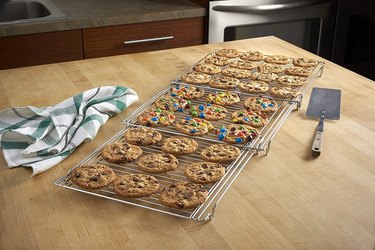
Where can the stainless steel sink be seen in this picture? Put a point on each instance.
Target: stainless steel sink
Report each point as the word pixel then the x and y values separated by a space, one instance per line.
pixel 28 11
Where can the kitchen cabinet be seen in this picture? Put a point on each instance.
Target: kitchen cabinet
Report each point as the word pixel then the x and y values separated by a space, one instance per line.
pixel 139 37
pixel 52 47
pixel 43 48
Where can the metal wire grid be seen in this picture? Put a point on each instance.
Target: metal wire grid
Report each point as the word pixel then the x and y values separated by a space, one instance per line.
pixel 205 211
pixel 165 179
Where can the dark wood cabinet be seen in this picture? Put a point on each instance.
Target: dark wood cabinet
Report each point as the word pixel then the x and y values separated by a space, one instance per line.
pixel 43 48
pixel 139 37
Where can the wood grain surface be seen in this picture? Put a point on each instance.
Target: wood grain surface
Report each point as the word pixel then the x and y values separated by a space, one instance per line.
pixel 283 200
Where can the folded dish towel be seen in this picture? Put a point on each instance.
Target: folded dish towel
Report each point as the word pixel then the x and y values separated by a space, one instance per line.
pixel 42 137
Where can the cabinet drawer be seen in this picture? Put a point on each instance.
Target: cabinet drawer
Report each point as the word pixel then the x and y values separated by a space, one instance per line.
pixel 130 38
pixel 35 49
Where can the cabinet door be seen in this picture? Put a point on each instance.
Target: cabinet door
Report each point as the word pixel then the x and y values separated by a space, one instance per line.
pixel 35 49
pixel 130 38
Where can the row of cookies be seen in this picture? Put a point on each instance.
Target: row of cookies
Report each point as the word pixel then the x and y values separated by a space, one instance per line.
pixel 223 70
pixel 254 114
pixel 176 195
pixel 140 185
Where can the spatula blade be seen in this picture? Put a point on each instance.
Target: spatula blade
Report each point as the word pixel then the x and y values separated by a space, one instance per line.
pixel 325 99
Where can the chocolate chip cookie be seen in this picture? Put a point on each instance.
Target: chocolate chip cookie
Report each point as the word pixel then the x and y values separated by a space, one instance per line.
pixel 121 152
pixel 217 60
pixel 92 176
pixel 252 56
pixel 298 71
pixel 263 76
pixel 196 78
pixel 220 153
pixel 231 53
pixel 135 185
pixel 304 62
pixel 157 163
pixel 236 73
pixel 270 68
pixel 204 172
pixel 278 59
pixel 253 87
pixel 179 145
pixel 224 82
pixel 183 195
pixel 142 136
pixel 291 80
pixel 241 64
pixel 283 91
pixel 207 68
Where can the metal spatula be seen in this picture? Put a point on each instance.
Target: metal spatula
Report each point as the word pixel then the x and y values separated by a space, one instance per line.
pixel 323 104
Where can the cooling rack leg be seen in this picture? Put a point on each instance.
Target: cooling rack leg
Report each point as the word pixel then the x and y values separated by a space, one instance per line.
pixel 268 147
pixel 321 71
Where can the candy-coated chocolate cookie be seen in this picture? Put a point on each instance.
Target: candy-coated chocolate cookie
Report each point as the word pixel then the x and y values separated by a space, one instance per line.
pixel 172 103
pixel 186 92
pixel 210 112
pixel 194 126
pixel 250 117
pixel 223 98
pixel 237 133
pixel 155 117
pixel 263 104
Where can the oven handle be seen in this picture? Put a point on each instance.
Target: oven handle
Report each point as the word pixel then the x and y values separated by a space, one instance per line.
pixel 268 7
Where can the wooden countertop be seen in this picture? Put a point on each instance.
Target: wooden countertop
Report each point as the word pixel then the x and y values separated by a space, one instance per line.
pixel 284 200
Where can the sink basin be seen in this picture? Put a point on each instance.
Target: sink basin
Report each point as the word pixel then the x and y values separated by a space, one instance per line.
pixel 28 11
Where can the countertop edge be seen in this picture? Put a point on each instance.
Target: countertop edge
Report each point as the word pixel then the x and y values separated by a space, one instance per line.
pixel 69 23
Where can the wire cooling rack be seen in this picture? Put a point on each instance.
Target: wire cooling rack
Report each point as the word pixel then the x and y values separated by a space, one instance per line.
pixel 216 191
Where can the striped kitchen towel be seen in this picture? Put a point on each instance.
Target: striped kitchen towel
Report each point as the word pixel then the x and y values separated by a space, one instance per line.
pixel 42 137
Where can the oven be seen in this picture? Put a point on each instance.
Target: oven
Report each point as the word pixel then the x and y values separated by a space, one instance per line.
pixel 309 24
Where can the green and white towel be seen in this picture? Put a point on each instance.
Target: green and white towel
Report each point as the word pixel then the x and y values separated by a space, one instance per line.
pixel 42 137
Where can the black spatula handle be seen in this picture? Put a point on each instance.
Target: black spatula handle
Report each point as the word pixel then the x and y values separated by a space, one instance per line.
pixel 318 139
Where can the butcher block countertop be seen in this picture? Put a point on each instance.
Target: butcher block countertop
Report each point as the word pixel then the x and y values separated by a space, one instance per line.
pixel 283 200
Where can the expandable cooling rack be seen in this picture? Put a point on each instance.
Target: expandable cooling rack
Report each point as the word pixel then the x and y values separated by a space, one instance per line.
pixel 204 212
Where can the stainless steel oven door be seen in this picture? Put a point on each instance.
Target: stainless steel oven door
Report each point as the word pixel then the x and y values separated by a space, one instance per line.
pixel 308 24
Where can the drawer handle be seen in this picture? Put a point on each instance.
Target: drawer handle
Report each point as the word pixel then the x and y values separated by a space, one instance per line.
pixel 149 40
